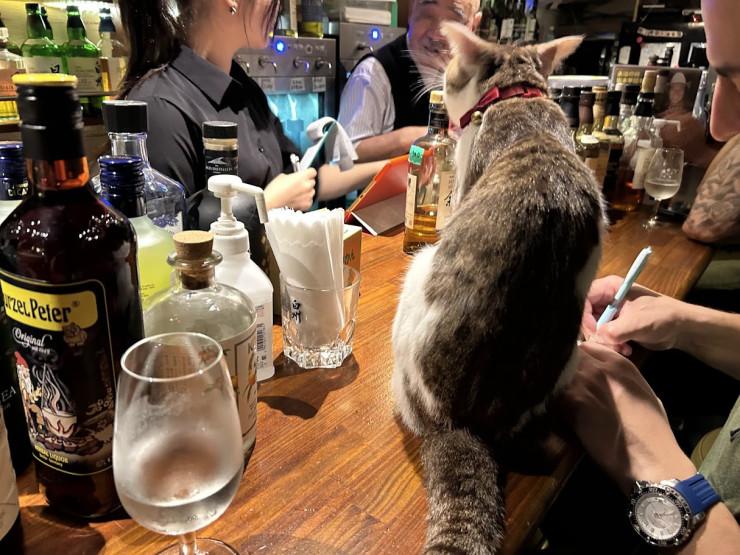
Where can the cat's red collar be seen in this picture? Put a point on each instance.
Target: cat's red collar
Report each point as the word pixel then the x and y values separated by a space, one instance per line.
pixel 495 95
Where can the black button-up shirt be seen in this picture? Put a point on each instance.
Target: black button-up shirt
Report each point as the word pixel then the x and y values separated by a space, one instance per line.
pixel 181 96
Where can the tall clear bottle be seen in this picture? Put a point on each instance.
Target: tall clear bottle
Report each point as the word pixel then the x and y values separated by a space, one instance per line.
pixel 11 534
pixel 611 145
pixel 122 181
pixel 128 123
pixel 13 188
pixel 430 180
pixel 71 291
pixel 40 53
pixel 113 55
pixel 197 302
pixel 82 59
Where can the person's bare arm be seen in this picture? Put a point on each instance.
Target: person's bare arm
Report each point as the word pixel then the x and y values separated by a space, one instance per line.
pixel 388 145
pixel 334 183
pixel 715 214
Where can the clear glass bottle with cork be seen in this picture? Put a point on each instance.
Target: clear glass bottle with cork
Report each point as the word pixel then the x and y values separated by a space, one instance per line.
pixel 199 303
pixel 430 179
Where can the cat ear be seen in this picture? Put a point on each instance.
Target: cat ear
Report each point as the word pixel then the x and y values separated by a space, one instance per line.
pixel 463 42
pixel 554 52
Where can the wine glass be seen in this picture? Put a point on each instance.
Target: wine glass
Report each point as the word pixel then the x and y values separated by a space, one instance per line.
pixel 663 179
pixel 177 450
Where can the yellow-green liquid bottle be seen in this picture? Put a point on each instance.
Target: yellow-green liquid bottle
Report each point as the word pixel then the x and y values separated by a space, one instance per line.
pixel 122 182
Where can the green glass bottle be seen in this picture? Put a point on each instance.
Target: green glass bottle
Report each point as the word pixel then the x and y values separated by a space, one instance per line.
pixel 40 54
pixel 82 59
pixel 49 29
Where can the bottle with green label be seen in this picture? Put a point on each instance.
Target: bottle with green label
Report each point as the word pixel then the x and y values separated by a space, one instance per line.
pixel 82 59
pixel 40 53
pixel 71 292
pixel 430 180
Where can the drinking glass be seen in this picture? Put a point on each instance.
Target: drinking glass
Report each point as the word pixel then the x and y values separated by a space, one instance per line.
pixel 663 179
pixel 177 450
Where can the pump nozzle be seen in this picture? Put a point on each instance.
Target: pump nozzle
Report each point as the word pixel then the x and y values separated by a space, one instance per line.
pixel 659 123
pixel 226 187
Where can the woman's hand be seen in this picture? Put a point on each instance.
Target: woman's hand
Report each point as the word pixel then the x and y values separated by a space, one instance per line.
pixel 293 190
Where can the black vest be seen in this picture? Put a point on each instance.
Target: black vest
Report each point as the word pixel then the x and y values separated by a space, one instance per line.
pixel 405 83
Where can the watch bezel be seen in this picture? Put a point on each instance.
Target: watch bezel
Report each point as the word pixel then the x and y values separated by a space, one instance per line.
pixel 666 491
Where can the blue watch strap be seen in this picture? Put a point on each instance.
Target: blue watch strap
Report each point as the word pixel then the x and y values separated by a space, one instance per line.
pixel 698 493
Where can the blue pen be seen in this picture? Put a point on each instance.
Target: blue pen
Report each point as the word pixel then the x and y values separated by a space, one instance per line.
pixel 628 282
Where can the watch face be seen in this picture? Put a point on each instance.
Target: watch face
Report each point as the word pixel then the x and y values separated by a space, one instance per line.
pixel 658 517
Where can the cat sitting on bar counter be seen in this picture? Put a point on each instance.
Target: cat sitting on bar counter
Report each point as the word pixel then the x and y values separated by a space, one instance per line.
pixel 488 319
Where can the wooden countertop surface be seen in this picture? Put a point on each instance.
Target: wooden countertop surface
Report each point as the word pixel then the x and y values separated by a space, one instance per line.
pixel 333 471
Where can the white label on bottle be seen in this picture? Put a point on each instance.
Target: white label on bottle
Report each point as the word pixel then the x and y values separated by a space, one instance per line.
pixel 410 201
pixel 507 29
pixel 264 339
pixel 267 84
pixel 297 84
pixel 531 28
pixel 318 84
pixel 116 70
pixel 42 64
pixel 644 156
pixel 446 183
pixel 239 352
pixel 9 505
pixel 88 73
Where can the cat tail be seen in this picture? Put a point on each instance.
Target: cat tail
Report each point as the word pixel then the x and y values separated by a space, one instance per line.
pixel 466 508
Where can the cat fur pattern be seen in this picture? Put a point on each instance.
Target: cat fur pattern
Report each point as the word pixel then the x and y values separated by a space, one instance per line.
pixel 487 323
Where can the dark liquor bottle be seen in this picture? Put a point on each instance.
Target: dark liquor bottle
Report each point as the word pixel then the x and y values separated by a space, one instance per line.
pixel 13 188
pixel 71 291
pixel 611 145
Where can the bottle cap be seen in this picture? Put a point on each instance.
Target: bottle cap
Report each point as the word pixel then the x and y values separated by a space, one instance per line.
pixel 122 181
pixel 629 94
pixel 32 6
pixel 612 103
pixel 220 130
pixel 587 98
pixel 13 178
pixel 193 244
pixel 436 97
pixel 125 116
pixel 648 80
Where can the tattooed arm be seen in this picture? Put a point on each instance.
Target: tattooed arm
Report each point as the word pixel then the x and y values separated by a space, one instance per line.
pixel 715 214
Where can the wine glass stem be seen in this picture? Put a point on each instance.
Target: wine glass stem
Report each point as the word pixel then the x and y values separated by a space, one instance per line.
pixel 187 544
pixel 656 206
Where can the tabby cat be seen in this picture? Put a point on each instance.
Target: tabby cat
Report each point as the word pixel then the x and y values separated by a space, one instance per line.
pixel 486 328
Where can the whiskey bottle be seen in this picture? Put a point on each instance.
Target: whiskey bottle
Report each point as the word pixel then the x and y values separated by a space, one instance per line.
pixel 122 181
pixel 611 145
pixel 197 302
pixel 71 292
pixel 40 53
pixel 569 104
pixel 127 122
pixel 587 146
pixel 113 55
pixel 82 59
pixel 430 180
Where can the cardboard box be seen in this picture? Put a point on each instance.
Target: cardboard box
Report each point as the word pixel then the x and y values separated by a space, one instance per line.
pixel 352 244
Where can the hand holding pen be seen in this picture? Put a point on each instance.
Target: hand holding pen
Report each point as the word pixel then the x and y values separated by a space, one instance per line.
pixel 628 282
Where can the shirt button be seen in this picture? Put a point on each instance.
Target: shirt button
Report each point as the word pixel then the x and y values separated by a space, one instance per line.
pixel 261 149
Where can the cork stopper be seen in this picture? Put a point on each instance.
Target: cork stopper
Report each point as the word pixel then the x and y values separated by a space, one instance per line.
pixel 193 245
pixel 648 81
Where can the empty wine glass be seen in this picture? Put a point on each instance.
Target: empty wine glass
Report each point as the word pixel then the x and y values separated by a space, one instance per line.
pixel 177 450
pixel 663 179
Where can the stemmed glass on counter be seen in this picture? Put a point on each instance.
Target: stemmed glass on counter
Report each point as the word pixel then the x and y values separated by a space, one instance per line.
pixel 177 450
pixel 663 179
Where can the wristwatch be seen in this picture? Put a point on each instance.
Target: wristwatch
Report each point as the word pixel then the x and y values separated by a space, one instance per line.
pixel 666 513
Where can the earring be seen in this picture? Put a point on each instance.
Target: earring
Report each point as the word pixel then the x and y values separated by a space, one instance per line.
pixel 232 9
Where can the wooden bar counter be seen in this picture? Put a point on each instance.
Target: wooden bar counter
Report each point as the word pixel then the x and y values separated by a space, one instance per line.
pixel 333 470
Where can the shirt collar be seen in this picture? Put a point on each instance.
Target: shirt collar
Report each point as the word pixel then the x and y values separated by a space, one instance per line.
pixel 207 77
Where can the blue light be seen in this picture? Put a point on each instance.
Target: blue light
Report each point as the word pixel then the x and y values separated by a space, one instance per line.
pixel 280 46
pixel 374 34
